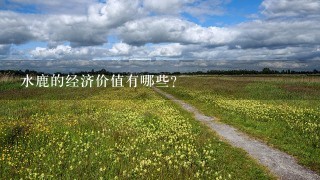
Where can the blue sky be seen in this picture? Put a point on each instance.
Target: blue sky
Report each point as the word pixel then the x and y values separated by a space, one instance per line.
pixel 162 30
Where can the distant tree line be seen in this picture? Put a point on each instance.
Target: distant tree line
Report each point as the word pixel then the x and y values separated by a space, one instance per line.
pixel 263 71
pixel 210 72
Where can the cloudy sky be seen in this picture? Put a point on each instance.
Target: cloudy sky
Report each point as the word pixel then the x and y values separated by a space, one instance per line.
pixel 160 29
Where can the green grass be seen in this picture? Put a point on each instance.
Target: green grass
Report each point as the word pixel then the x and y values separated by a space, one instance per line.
pixel 282 111
pixel 110 133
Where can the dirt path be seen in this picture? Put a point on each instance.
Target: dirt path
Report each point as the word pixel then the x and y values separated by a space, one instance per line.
pixel 279 163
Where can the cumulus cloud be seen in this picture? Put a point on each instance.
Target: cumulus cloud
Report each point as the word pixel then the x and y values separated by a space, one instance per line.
pixel 89 29
pixel 14 29
pixel 93 28
pixel 115 12
pixel 166 6
pixel 61 52
pixel 121 49
pixel 17 29
pixel 286 29
pixel 272 34
pixel 290 8
pixel 196 8
pixel 170 29
pixel 76 30
pixel 169 50
pixel 66 52
pixel 284 53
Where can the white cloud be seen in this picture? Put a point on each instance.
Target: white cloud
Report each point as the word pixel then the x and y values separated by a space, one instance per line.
pixel 224 53
pixel 77 30
pixel 277 33
pixel 166 6
pixel 80 30
pixel 121 49
pixel 196 8
pixel 289 8
pixel 62 52
pixel 115 12
pixel 168 29
pixel 14 29
pixel 169 50
pixel 289 29
pixel 283 65
pixel 19 29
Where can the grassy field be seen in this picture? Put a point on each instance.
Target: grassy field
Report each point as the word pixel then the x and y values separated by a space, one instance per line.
pixel 283 111
pixel 110 133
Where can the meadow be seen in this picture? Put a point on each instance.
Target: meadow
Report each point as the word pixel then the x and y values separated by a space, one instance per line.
pixel 283 111
pixel 110 133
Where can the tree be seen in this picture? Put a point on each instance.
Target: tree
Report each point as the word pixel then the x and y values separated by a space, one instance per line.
pixel 266 71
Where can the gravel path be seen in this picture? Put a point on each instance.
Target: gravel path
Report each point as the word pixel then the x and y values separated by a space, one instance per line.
pixel 279 163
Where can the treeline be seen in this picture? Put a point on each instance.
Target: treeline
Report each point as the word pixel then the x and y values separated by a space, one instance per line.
pixel 253 72
pixel 211 72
